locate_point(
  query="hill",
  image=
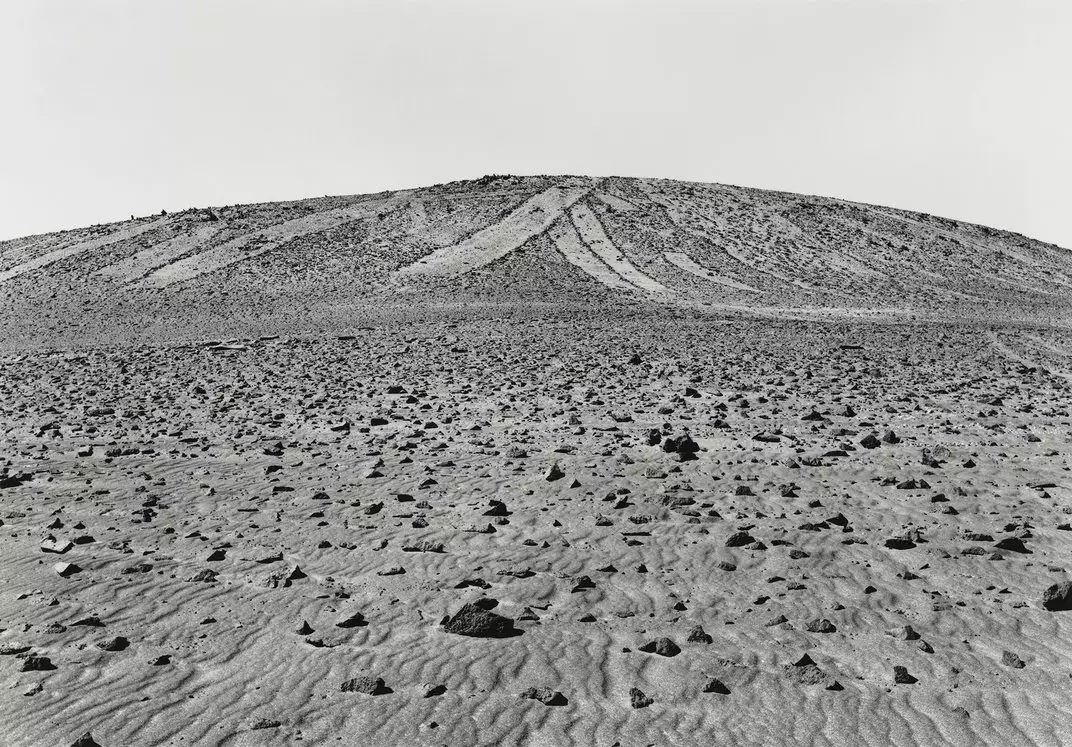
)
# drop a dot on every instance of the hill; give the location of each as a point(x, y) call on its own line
point(518, 242)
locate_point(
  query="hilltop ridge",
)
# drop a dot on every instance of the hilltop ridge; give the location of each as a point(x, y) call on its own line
point(529, 241)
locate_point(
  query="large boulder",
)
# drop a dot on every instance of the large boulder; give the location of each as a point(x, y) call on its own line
point(473, 621)
point(1058, 597)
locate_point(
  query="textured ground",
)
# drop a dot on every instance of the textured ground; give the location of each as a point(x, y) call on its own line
point(227, 506)
point(326, 263)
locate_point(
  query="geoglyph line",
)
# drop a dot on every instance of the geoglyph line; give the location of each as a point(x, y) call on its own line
point(564, 234)
point(141, 263)
point(534, 216)
point(591, 232)
point(69, 251)
point(257, 243)
point(615, 202)
point(686, 263)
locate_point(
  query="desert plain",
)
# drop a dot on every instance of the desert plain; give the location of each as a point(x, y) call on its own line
point(536, 460)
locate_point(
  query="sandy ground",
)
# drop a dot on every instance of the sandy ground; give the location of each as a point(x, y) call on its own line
point(259, 542)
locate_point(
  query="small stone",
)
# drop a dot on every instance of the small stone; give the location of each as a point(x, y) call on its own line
point(699, 635)
point(545, 695)
point(365, 685)
point(902, 677)
point(1058, 597)
point(637, 698)
point(1009, 659)
point(265, 723)
point(715, 685)
point(475, 622)
point(37, 664)
point(429, 690)
point(662, 647)
point(114, 644)
point(66, 570)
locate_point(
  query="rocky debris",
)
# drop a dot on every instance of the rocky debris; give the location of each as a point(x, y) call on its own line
point(118, 643)
point(86, 740)
point(820, 626)
point(804, 671)
point(475, 622)
point(1013, 544)
point(637, 698)
point(662, 647)
point(66, 570)
point(37, 664)
point(554, 472)
point(355, 620)
point(902, 677)
point(265, 723)
point(365, 685)
point(53, 545)
point(545, 695)
point(1058, 597)
point(1009, 659)
point(715, 685)
point(432, 690)
point(424, 546)
point(92, 621)
point(699, 635)
point(680, 445)
point(904, 633)
point(740, 539)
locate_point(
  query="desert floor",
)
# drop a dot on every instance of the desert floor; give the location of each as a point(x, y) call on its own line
point(257, 542)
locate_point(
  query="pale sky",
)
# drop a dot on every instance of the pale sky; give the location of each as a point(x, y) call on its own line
point(114, 107)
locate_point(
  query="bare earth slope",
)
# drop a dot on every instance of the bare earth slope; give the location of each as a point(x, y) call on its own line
point(536, 461)
point(326, 263)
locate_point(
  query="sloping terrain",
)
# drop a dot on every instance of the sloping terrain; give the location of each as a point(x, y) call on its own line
point(519, 240)
point(542, 460)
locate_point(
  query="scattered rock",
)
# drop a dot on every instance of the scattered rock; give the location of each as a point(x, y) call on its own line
point(475, 622)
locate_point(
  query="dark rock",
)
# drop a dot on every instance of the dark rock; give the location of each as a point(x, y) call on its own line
point(37, 664)
point(1009, 659)
point(356, 620)
point(265, 723)
point(699, 635)
point(545, 695)
point(637, 698)
point(473, 621)
point(715, 685)
point(870, 441)
point(1013, 544)
point(114, 644)
point(1058, 597)
point(902, 677)
point(662, 647)
point(365, 685)
point(740, 539)
point(820, 626)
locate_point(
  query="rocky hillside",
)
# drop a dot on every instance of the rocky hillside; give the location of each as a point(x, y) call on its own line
point(520, 241)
